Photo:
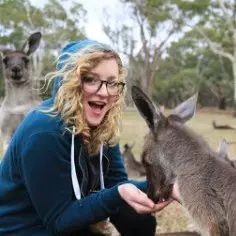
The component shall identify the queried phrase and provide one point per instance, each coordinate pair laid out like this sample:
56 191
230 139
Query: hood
70 48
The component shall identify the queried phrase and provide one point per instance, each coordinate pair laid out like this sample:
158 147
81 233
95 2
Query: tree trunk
222 103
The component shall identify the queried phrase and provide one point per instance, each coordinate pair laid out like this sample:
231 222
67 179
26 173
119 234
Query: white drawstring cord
75 182
101 168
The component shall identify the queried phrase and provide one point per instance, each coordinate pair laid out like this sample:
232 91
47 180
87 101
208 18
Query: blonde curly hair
68 100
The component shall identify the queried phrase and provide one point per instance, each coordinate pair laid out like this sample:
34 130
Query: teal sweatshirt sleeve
117 173
45 168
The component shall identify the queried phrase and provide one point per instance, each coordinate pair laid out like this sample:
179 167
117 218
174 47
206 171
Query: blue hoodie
36 191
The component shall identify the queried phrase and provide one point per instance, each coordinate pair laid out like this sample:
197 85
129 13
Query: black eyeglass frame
106 83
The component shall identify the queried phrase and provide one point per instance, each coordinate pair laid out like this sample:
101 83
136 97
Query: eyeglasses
93 85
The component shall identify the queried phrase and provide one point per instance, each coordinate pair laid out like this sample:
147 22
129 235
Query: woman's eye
112 84
88 79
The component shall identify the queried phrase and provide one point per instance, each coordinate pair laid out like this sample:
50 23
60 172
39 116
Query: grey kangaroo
223 152
20 94
174 153
133 167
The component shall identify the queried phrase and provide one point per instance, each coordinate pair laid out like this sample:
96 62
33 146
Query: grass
134 128
173 217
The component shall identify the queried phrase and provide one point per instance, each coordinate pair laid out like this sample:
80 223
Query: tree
19 18
187 68
144 48
215 22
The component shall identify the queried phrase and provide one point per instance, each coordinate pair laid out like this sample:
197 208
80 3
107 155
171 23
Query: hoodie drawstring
101 168
75 182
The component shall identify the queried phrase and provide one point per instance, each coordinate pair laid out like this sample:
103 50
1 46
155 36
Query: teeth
98 103
162 200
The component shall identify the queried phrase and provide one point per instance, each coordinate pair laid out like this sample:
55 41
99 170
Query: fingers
139 208
160 206
139 200
131 194
143 199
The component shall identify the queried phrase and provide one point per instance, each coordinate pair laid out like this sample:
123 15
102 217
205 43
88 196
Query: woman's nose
103 90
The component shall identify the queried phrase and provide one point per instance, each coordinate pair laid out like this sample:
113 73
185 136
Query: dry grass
173 218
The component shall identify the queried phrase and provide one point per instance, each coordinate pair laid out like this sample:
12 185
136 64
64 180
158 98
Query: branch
216 48
226 15
141 23
27 9
209 86
158 49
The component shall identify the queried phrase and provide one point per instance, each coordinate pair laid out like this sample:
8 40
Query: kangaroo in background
223 152
174 153
20 94
133 167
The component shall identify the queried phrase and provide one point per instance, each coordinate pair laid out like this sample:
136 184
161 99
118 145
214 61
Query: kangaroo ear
223 148
186 110
32 43
145 107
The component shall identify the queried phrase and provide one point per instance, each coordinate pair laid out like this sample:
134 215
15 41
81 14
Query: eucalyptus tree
188 68
145 40
215 23
56 22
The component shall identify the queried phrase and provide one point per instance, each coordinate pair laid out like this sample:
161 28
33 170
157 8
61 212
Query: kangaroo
20 94
215 126
223 152
133 167
174 153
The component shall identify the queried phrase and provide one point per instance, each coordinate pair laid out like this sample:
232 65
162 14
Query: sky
95 14
118 12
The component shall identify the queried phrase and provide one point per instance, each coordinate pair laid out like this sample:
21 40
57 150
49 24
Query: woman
63 170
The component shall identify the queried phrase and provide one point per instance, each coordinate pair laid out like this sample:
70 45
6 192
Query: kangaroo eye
26 60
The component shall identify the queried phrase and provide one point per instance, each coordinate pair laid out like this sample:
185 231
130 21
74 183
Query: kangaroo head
16 63
165 137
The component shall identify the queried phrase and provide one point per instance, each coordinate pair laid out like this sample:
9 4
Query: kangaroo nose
16 69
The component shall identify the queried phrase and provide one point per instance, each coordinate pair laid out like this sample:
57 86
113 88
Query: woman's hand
138 200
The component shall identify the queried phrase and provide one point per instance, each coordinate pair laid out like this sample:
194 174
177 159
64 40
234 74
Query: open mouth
161 197
161 200
97 105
